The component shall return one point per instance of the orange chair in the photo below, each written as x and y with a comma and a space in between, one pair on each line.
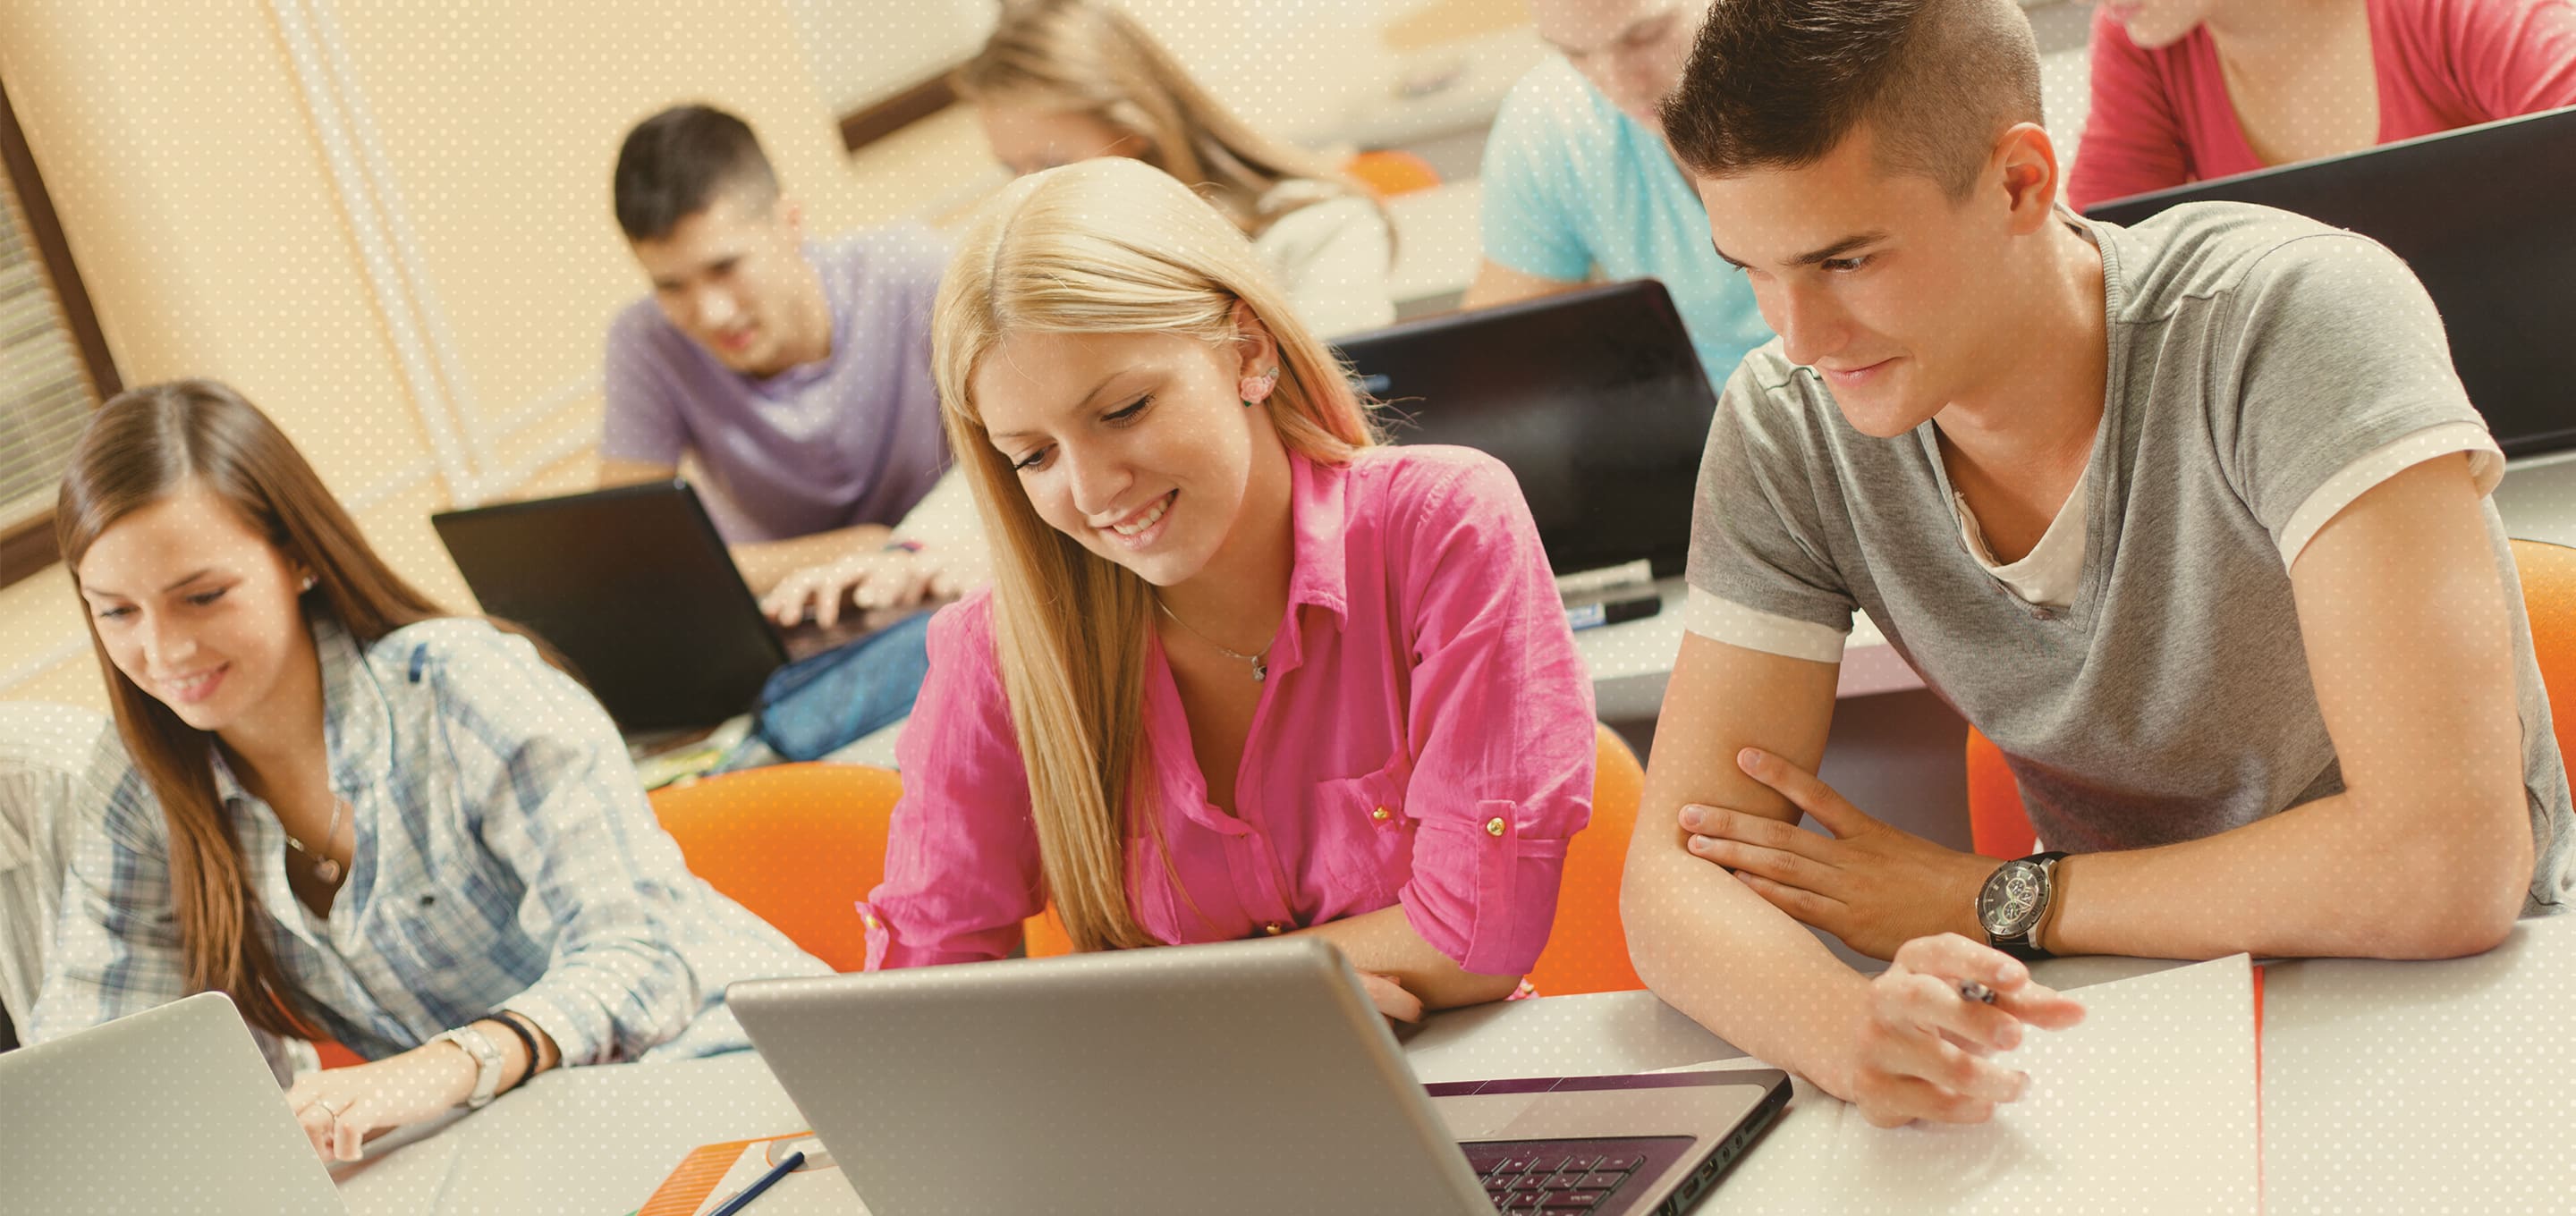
1587, 946
2000, 828
797, 844
1388, 173
2549, 598
1587, 949
1997, 824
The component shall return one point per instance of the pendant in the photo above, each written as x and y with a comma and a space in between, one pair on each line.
1260, 669
327, 869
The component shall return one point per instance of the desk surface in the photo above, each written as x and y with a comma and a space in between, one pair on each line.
2413, 1086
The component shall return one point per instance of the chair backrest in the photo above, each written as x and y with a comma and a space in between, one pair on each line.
2001, 828
2548, 575
1587, 946
1388, 173
797, 844
1587, 949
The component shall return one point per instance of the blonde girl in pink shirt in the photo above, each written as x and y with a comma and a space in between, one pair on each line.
1243, 672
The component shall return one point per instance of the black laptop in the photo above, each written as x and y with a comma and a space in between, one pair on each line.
2486, 217
633, 585
1594, 398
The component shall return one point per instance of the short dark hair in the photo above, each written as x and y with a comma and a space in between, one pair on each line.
675, 163
1780, 83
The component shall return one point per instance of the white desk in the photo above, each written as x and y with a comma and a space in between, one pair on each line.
2386, 1086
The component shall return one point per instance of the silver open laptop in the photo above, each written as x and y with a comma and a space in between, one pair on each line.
170, 1110
1252, 1078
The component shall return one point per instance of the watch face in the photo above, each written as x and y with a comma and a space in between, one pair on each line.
2009, 905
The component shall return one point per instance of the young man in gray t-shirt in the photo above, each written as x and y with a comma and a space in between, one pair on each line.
2190, 518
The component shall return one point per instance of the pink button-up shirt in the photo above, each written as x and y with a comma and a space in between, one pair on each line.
1424, 738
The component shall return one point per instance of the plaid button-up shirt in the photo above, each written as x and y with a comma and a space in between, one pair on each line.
505, 859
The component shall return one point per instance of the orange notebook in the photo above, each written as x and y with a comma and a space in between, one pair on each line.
713, 1173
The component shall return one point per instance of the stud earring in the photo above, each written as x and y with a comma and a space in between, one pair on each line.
308, 583
1256, 389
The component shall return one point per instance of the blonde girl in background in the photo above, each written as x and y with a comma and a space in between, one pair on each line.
1067, 80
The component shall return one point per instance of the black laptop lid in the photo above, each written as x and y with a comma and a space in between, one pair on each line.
635, 587
1594, 399
2486, 217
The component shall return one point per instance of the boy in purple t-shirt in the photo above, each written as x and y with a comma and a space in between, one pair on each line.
798, 373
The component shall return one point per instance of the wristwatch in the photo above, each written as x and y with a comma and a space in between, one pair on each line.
487, 1063
2015, 902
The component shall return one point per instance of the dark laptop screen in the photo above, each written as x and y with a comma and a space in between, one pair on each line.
1593, 398
2486, 216
634, 587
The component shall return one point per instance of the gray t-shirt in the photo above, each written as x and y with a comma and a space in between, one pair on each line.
853, 438
2255, 356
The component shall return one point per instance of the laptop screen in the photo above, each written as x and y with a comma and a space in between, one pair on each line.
1594, 399
2482, 215
634, 587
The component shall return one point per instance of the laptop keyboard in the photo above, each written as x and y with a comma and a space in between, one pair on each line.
1563, 1176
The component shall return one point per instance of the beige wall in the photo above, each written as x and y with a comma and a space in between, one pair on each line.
184, 153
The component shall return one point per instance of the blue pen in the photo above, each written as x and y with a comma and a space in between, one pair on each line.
749, 1193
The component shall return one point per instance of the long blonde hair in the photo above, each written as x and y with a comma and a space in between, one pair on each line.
1083, 57
1106, 246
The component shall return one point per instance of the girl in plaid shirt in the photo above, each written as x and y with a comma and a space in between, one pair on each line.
355, 815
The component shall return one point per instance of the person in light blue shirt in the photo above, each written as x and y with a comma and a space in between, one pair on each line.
1578, 184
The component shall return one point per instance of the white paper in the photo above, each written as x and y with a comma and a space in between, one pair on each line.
2149, 1105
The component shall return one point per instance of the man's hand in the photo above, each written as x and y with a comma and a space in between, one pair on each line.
1868, 884
893, 578
1923, 1046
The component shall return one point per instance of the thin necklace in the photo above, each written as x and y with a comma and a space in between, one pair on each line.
1260, 662
325, 867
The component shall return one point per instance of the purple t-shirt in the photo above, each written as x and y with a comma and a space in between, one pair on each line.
853, 438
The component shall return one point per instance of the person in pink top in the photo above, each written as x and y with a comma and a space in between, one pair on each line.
1242, 671
2190, 89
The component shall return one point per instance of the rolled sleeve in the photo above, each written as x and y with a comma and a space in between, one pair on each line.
565, 813
1501, 715
962, 868
2337, 353
1757, 529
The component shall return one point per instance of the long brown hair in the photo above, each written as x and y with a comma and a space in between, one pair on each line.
144, 445
1103, 246
1086, 57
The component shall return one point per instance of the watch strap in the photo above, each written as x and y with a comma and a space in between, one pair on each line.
2025, 945
486, 1055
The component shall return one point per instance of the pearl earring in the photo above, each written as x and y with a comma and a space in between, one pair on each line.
308, 583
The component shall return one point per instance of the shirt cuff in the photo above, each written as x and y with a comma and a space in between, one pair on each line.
573, 1044
1482, 893
887, 953
1721, 620
2486, 467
